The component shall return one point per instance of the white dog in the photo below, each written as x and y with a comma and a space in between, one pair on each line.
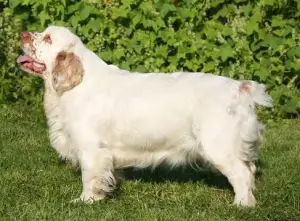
105, 118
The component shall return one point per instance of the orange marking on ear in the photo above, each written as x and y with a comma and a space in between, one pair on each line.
68, 71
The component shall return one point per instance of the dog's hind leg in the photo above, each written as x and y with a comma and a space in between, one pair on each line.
222, 153
239, 176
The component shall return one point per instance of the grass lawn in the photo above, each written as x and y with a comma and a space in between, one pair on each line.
35, 185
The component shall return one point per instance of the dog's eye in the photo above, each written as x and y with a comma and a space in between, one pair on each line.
47, 39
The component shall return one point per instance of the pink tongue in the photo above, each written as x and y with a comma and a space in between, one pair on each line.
24, 58
29, 63
38, 67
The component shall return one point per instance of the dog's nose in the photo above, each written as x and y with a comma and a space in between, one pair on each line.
26, 37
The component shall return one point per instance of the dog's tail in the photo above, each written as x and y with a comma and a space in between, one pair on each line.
250, 93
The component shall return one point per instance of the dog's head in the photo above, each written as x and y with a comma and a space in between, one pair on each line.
51, 55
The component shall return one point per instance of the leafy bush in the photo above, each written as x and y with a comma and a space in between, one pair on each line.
241, 39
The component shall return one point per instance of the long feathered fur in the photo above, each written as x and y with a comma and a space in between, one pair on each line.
111, 119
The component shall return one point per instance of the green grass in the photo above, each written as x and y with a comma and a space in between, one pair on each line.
36, 186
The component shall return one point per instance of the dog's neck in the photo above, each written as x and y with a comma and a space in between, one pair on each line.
51, 100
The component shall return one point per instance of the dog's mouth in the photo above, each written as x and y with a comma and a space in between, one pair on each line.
28, 64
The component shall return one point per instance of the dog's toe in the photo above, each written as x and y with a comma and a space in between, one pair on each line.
88, 198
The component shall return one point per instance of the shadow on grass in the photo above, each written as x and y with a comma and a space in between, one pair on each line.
183, 174
179, 175
164, 174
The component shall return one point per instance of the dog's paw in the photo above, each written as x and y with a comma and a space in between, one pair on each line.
88, 198
248, 201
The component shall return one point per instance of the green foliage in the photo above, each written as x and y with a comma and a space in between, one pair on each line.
241, 39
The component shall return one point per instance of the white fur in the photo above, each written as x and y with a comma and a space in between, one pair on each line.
116, 119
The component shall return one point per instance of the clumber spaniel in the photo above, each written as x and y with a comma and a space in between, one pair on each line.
106, 119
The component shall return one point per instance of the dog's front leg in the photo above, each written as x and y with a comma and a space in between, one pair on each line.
59, 137
97, 172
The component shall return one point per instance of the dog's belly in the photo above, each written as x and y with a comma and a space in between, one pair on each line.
173, 152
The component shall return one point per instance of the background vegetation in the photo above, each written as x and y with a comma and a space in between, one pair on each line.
242, 39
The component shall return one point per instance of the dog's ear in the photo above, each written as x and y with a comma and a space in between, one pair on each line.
68, 71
